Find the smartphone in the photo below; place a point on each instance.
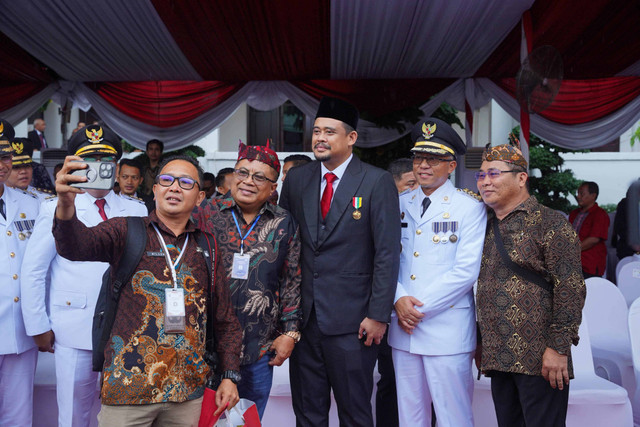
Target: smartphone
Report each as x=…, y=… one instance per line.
x=100, y=175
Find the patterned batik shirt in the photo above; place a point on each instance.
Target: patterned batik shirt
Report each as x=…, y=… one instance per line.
x=268, y=302
x=143, y=363
x=518, y=319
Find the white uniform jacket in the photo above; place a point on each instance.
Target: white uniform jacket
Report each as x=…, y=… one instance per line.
x=73, y=287
x=439, y=263
x=22, y=210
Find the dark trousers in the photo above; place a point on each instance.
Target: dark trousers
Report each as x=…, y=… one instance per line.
x=528, y=400
x=320, y=363
x=386, y=396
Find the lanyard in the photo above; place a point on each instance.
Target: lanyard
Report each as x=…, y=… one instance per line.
x=172, y=265
x=240, y=232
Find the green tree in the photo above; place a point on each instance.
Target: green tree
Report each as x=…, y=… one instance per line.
x=555, y=184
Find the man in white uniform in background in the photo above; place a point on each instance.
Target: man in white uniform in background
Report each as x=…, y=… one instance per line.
x=433, y=328
x=74, y=286
x=18, y=354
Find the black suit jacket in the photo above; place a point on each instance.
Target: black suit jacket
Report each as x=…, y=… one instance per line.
x=35, y=140
x=349, y=266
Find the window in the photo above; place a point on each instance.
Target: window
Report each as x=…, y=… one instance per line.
x=286, y=126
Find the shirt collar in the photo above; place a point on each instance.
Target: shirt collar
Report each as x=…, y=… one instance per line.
x=530, y=205
x=190, y=228
x=339, y=171
x=229, y=203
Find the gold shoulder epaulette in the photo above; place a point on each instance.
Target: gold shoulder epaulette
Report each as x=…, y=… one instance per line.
x=44, y=190
x=470, y=193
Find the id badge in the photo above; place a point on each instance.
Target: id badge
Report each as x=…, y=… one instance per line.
x=240, y=269
x=174, y=313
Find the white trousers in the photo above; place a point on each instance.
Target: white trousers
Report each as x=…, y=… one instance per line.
x=77, y=386
x=16, y=388
x=444, y=380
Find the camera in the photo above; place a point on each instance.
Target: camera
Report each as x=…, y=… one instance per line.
x=100, y=175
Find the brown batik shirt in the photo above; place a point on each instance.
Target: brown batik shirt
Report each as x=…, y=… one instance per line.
x=143, y=363
x=518, y=319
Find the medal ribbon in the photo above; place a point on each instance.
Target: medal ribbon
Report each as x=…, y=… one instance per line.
x=454, y=226
x=240, y=232
x=172, y=265
x=357, y=202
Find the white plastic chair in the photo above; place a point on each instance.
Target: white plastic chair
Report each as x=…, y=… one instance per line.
x=634, y=330
x=606, y=312
x=624, y=261
x=629, y=281
x=594, y=401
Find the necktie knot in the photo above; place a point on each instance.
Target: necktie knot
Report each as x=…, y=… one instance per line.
x=100, y=203
x=330, y=177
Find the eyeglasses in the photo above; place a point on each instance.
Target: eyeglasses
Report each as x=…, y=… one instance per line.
x=431, y=161
x=184, y=182
x=258, y=179
x=6, y=159
x=493, y=173
x=94, y=158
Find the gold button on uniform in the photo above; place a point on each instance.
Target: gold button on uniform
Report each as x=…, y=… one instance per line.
x=413, y=277
x=16, y=299
x=12, y=255
x=418, y=231
x=416, y=254
x=9, y=233
x=15, y=277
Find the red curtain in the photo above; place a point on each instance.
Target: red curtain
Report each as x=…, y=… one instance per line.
x=582, y=101
x=587, y=34
x=165, y=103
x=287, y=39
x=21, y=75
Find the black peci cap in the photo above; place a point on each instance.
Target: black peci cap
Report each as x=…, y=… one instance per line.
x=334, y=108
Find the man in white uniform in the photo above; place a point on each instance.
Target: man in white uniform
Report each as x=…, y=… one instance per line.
x=22, y=170
x=433, y=328
x=18, y=354
x=74, y=286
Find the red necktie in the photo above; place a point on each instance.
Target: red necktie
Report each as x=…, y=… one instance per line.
x=327, y=195
x=100, y=203
x=42, y=144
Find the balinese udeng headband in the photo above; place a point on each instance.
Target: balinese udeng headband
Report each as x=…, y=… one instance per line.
x=261, y=153
x=509, y=153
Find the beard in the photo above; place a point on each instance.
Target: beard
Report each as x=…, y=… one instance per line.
x=322, y=157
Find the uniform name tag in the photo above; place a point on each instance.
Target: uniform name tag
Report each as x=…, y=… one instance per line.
x=240, y=269
x=174, y=313
x=149, y=253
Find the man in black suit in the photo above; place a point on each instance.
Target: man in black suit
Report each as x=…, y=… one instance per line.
x=36, y=136
x=350, y=230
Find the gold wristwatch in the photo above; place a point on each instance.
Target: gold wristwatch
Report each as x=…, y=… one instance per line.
x=295, y=335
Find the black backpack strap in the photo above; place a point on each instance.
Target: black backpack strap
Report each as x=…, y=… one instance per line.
x=205, y=241
x=131, y=255
x=524, y=273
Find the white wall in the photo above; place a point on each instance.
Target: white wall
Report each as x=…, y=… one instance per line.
x=613, y=172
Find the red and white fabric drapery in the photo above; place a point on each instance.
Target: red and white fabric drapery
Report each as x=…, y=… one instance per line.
x=176, y=70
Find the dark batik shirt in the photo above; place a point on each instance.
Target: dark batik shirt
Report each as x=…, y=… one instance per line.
x=518, y=319
x=268, y=302
x=143, y=363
